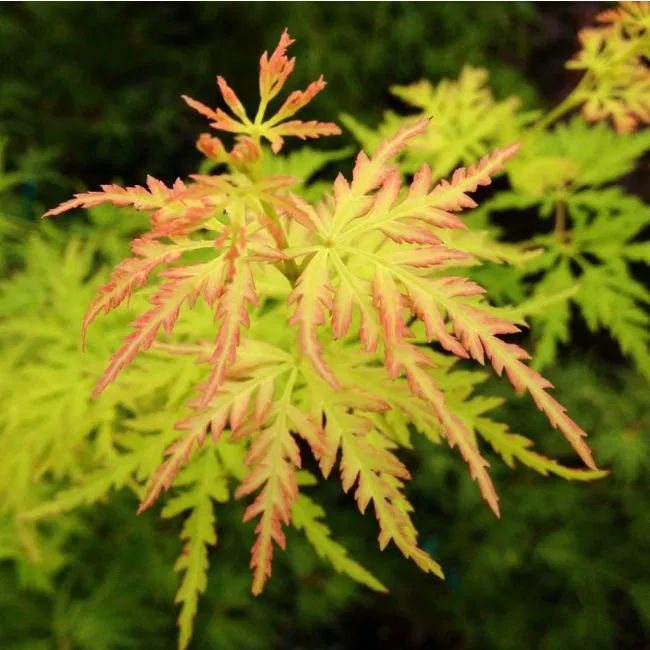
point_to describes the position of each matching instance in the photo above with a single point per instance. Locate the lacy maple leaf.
(615, 60)
(274, 71)
(295, 289)
(378, 251)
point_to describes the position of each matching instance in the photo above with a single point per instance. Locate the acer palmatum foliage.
(614, 59)
(364, 271)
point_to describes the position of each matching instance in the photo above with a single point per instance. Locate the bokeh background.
(90, 93)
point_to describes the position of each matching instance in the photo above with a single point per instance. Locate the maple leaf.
(226, 282)
(132, 273)
(583, 260)
(205, 481)
(139, 455)
(275, 457)
(320, 320)
(398, 279)
(398, 258)
(633, 16)
(174, 211)
(617, 79)
(466, 122)
(183, 285)
(274, 71)
(368, 462)
(306, 516)
(571, 156)
(251, 381)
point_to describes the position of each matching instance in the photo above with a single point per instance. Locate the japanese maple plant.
(334, 323)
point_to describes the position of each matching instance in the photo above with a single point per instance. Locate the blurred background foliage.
(92, 93)
(102, 87)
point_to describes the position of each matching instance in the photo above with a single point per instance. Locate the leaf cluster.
(291, 329)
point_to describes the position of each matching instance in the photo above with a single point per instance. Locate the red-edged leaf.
(138, 197)
(298, 99)
(479, 333)
(273, 457)
(302, 130)
(275, 69)
(232, 311)
(183, 286)
(312, 297)
(378, 474)
(178, 455)
(455, 430)
(128, 275)
(231, 99)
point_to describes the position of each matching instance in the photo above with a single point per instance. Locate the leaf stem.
(288, 268)
(567, 104)
(560, 231)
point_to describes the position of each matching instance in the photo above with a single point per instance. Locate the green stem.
(289, 268)
(261, 110)
(560, 222)
(568, 104)
(291, 271)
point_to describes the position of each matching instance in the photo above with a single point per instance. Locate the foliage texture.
(308, 328)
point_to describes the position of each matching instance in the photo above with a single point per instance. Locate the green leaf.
(307, 516)
(576, 155)
(617, 219)
(206, 482)
(143, 454)
(466, 122)
(608, 298)
(551, 310)
(512, 446)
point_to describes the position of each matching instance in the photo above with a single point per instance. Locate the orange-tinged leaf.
(128, 275)
(614, 58)
(231, 99)
(405, 232)
(479, 332)
(211, 147)
(273, 456)
(232, 312)
(632, 15)
(140, 198)
(275, 69)
(298, 99)
(351, 294)
(183, 286)
(378, 475)
(388, 301)
(231, 405)
(299, 210)
(424, 307)
(167, 304)
(455, 431)
(178, 455)
(303, 130)
(396, 271)
(312, 296)
(308, 430)
(391, 147)
(388, 193)
(221, 119)
(368, 174)
(424, 257)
